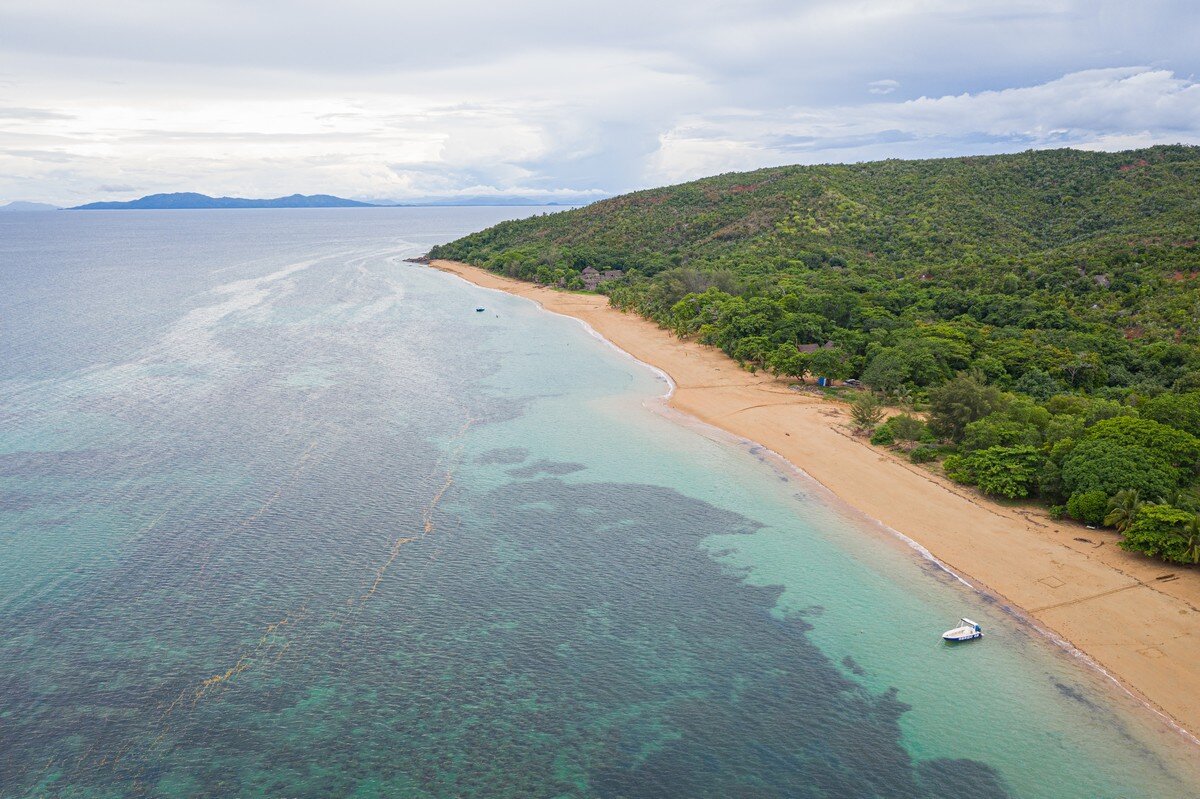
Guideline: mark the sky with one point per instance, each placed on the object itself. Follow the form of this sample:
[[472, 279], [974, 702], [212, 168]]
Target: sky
[[562, 100]]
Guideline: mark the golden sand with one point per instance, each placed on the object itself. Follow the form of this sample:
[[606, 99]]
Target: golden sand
[[1136, 618]]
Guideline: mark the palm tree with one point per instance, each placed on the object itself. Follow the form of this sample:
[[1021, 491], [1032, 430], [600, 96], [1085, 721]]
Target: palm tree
[[1191, 537], [1184, 499], [1173, 499], [1123, 509], [902, 395]]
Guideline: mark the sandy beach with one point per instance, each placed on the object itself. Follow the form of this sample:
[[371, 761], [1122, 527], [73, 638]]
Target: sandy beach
[[1134, 617]]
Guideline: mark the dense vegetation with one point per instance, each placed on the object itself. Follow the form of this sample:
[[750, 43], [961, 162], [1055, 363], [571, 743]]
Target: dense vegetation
[[1041, 307]]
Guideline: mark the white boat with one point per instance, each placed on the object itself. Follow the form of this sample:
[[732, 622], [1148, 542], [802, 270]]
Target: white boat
[[967, 632]]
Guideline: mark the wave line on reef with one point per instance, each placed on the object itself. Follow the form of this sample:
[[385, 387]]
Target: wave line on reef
[[301, 463], [179, 708], [267, 645], [427, 525], [270, 640], [278, 637]]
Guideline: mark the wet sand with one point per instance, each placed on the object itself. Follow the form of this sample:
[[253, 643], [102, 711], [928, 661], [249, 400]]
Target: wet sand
[[1134, 617]]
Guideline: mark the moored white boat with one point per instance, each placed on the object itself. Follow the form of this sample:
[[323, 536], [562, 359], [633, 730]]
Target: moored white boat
[[968, 631]]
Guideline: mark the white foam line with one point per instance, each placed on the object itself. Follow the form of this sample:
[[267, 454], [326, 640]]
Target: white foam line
[[1087, 660], [1005, 605], [1014, 611], [781, 463], [662, 375], [1009, 608], [719, 432]]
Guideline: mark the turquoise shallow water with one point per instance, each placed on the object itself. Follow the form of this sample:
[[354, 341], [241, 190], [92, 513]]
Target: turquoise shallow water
[[281, 515]]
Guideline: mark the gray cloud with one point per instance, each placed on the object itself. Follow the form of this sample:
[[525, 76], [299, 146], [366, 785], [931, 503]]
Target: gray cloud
[[403, 99]]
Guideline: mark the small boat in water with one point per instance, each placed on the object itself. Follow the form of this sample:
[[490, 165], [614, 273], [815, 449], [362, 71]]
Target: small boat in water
[[969, 631], [479, 310]]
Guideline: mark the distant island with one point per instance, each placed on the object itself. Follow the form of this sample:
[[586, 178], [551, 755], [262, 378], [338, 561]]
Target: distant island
[[192, 200], [21, 205], [189, 200]]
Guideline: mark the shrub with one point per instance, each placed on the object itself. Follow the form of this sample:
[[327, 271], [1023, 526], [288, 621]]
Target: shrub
[[1005, 471], [956, 469], [907, 427], [866, 411], [1001, 471], [923, 454], [1160, 532], [1090, 409], [1088, 507]]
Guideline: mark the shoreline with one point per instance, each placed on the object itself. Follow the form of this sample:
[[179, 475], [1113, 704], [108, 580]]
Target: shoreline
[[1129, 617]]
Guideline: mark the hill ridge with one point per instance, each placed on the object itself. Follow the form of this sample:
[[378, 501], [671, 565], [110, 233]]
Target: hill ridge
[[1042, 307], [194, 200]]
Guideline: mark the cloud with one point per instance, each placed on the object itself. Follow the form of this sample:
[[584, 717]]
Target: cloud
[[31, 114], [48, 156], [403, 99], [1091, 109]]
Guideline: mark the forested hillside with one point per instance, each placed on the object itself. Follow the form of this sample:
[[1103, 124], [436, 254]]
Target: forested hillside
[[1041, 306]]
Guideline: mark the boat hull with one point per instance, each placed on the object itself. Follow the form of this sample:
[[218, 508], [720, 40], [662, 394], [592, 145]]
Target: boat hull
[[958, 637]]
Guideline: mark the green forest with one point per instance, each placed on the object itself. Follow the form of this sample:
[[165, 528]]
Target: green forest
[[1033, 316]]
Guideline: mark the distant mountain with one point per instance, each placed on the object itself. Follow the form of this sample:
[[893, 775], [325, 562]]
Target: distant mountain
[[182, 200], [20, 205]]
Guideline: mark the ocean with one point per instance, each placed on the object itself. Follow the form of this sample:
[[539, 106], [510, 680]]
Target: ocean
[[282, 515]]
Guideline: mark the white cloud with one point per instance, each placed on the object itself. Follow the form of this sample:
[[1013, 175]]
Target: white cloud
[[885, 86], [1092, 109], [401, 99]]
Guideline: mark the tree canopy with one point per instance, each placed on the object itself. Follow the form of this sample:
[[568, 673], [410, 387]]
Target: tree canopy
[[1043, 272], [1044, 307]]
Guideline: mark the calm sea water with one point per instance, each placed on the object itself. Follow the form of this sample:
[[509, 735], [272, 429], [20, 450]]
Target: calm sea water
[[283, 516]]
